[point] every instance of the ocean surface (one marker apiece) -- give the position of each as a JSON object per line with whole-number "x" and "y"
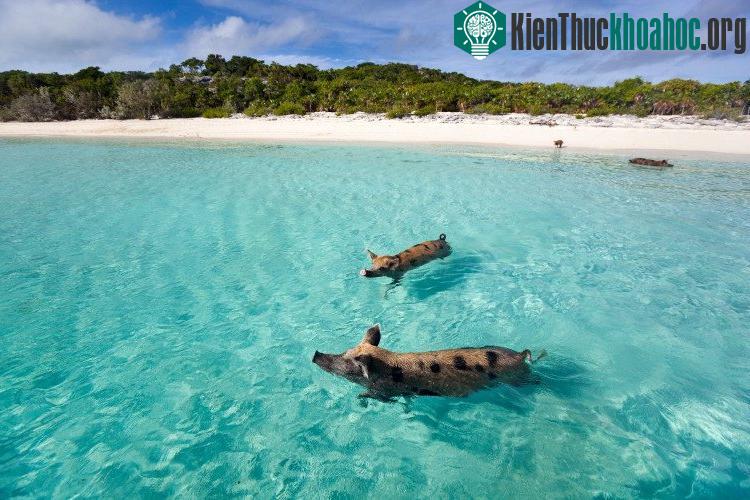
{"x": 160, "y": 305}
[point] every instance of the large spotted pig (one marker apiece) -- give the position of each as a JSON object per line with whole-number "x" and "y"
{"x": 451, "y": 372}
{"x": 395, "y": 265}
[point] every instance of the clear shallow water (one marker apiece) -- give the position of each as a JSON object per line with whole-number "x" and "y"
{"x": 161, "y": 304}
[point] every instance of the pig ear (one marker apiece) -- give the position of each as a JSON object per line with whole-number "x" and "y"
{"x": 372, "y": 335}
{"x": 371, "y": 254}
{"x": 370, "y": 366}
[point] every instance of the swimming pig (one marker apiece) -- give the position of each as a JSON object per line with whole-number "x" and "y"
{"x": 646, "y": 162}
{"x": 451, "y": 372}
{"x": 395, "y": 265}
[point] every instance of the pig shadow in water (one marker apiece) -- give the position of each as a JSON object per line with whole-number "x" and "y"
{"x": 437, "y": 277}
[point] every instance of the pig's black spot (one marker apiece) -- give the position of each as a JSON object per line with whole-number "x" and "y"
{"x": 397, "y": 374}
{"x": 435, "y": 367}
{"x": 491, "y": 357}
{"x": 427, "y": 392}
{"x": 492, "y": 376}
{"x": 421, "y": 365}
{"x": 479, "y": 368}
{"x": 424, "y": 245}
{"x": 413, "y": 261}
{"x": 459, "y": 363}
{"x": 440, "y": 245}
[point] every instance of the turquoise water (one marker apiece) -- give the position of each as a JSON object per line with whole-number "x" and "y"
{"x": 161, "y": 305}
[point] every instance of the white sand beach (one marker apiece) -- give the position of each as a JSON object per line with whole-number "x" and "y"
{"x": 627, "y": 133}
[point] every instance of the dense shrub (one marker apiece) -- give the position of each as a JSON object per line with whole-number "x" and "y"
{"x": 35, "y": 107}
{"x": 289, "y": 108}
{"x": 81, "y": 104}
{"x": 257, "y": 109}
{"x": 489, "y": 108}
{"x": 5, "y": 115}
{"x": 424, "y": 111}
{"x": 602, "y": 110}
{"x": 216, "y": 113}
{"x": 137, "y": 99}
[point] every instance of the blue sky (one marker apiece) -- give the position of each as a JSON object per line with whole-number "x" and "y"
{"x": 66, "y": 35}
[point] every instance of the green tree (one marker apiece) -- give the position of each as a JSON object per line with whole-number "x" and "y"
{"x": 193, "y": 65}
{"x": 215, "y": 64}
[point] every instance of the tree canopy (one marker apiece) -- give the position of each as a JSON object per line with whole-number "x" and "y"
{"x": 217, "y": 87}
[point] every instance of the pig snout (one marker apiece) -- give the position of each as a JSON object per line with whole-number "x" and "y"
{"x": 323, "y": 360}
{"x": 320, "y": 358}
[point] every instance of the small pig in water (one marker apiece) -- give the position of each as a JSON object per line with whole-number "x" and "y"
{"x": 451, "y": 372}
{"x": 646, "y": 162}
{"x": 395, "y": 265}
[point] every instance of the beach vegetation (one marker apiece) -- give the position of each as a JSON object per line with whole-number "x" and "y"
{"x": 221, "y": 112}
{"x": 216, "y": 86}
{"x": 425, "y": 110}
{"x": 397, "y": 112}
{"x": 137, "y": 99}
{"x": 256, "y": 109}
{"x": 601, "y": 110}
{"x": 289, "y": 108}
{"x": 33, "y": 107}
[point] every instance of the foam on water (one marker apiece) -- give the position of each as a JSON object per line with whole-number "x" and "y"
{"x": 161, "y": 304}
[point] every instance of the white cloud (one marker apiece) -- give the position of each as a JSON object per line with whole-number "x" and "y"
{"x": 66, "y": 35}
{"x": 235, "y": 36}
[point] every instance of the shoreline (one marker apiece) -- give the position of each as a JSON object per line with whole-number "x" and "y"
{"x": 617, "y": 133}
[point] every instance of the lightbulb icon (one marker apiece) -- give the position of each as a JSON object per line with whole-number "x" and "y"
{"x": 479, "y": 30}
{"x": 480, "y": 27}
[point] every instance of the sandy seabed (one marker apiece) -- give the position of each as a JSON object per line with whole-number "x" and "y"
{"x": 658, "y": 134}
